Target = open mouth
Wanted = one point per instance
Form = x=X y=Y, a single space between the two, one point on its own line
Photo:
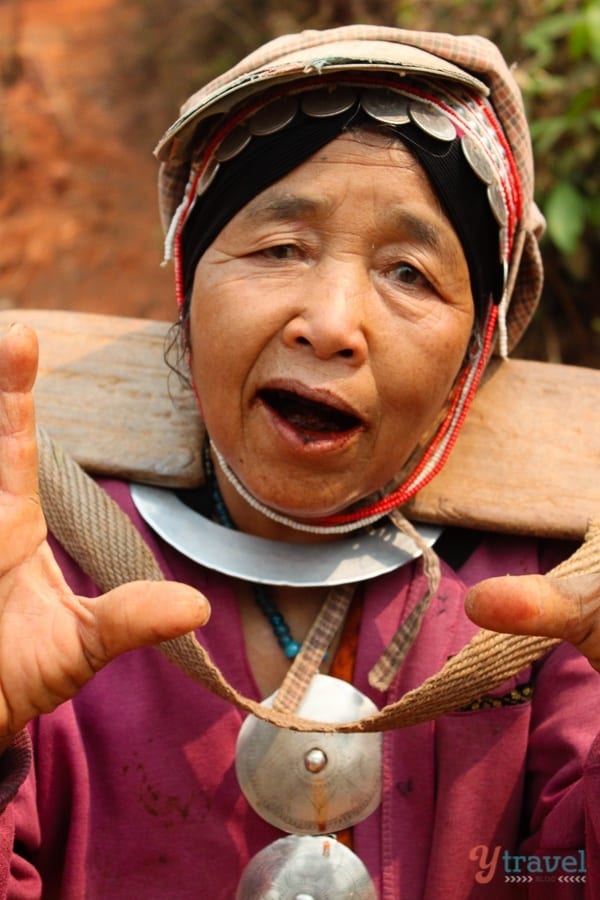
x=311 y=417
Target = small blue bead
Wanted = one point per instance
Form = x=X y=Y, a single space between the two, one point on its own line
x=292 y=649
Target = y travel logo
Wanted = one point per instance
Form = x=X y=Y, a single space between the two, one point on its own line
x=565 y=867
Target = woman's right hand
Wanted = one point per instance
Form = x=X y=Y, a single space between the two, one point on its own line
x=52 y=641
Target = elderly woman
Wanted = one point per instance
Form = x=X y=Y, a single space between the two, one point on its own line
x=351 y=219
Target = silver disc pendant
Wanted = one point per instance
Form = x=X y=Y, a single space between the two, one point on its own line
x=273 y=117
x=498 y=203
x=207 y=177
x=233 y=143
x=308 y=782
x=322 y=103
x=306 y=868
x=432 y=121
x=477 y=159
x=385 y=106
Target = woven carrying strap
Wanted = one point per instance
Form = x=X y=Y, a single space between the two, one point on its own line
x=104 y=542
x=314 y=647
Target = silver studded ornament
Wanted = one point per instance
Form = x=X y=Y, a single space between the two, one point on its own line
x=308 y=782
x=306 y=868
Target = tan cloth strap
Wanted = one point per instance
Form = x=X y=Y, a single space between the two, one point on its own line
x=314 y=647
x=102 y=539
x=389 y=663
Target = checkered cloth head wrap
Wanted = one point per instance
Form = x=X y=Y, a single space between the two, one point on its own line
x=470 y=61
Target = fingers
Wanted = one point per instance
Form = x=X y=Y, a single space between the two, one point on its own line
x=566 y=608
x=138 y=614
x=18 y=448
x=18 y=358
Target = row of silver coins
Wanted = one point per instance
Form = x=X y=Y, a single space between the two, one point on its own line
x=482 y=150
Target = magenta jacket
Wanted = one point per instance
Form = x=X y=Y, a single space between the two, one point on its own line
x=133 y=794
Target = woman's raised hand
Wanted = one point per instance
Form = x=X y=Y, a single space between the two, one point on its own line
x=567 y=608
x=52 y=641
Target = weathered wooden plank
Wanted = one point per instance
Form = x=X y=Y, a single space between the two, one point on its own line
x=527 y=460
x=105 y=393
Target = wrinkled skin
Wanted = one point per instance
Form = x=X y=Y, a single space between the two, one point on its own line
x=343 y=283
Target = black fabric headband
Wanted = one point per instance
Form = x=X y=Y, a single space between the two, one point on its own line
x=268 y=158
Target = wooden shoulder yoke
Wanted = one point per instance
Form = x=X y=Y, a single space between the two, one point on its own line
x=526 y=461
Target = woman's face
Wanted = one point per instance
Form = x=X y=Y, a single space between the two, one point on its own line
x=329 y=320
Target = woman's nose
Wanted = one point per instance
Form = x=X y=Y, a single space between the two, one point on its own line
x=330 y=321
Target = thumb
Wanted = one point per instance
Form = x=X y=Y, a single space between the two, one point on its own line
x=138 y=614
x=567 y=608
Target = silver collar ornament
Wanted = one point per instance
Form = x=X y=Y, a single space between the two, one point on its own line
x=379 y=549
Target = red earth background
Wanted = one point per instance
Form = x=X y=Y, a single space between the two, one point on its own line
x=79 y=227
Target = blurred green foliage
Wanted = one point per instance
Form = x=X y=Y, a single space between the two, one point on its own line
x=555 y=46
x=562 y=87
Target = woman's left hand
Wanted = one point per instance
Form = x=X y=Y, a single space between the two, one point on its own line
x=566 y=608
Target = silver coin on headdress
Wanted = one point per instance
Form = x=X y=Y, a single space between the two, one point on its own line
x=477 y=158
x=433 y=122
x=208 y=176
x=503 y=243
x=305 y=868
x=273 y=117
x=322 y=102
x=385 y=106
x=498 y=203
x=308 y=782
x=233 y=143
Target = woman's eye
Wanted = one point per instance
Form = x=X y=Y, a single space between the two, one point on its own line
x=407 y=274
x=281 y=252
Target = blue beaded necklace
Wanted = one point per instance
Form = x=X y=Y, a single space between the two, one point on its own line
x=264 y=602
